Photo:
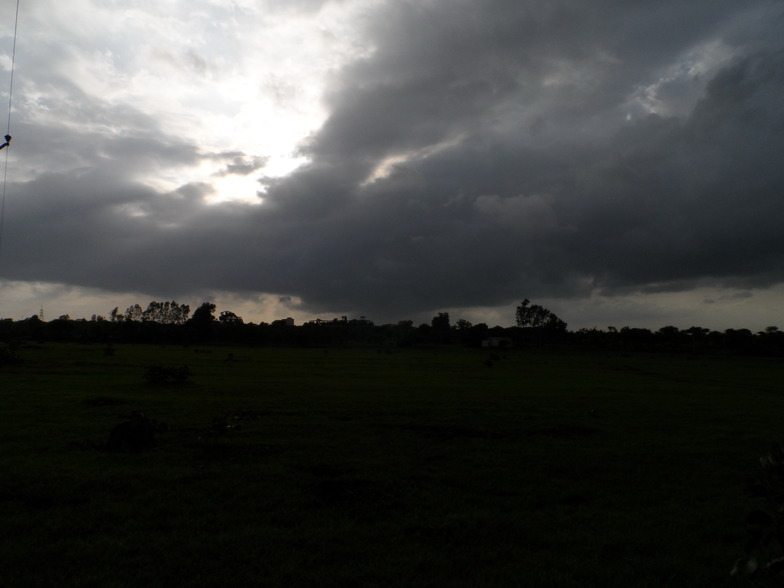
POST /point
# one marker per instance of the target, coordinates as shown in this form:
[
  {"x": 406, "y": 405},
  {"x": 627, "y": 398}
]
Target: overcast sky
[{"x": 619, "y": 162}]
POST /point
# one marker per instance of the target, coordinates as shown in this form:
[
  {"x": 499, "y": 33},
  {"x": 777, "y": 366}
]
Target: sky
[{"x": 617, "y": 162}]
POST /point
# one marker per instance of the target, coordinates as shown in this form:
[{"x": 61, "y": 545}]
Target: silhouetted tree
[
  {"x": 440, "y": 327},
  {"x": 134, "y": 313},
  {"x": 402, "y": 334},
  {"x": 440, "y": 321},
  {"x": 229, "y": 318},
  {"x": 201, "y": 324},
  {"x": 697, "y": 332},
  {"x": 166, "y": 313},
  {"x": 533, "y": 315},
  {"x": 205, "y": 314},
  {"x": 669, "y": 337}
]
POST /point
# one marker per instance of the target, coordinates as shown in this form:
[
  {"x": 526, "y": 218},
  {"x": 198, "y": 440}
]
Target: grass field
[{"x": 360, "y": 468}]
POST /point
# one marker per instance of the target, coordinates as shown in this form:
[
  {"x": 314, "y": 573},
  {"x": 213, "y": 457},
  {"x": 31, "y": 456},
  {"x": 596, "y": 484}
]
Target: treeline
[
  {"x": 173, "y": 323},
  {"x": 769, "y": 342}
]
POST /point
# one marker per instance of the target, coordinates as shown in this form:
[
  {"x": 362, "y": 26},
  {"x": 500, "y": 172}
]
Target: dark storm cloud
[
  {"x": 534, "y": 186},
  {"x": 480, "y": 154},
  {"x": 698, "y": 198},
  {"x": 442, "y": 69}
]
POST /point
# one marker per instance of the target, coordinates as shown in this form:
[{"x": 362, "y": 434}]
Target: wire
[
  {"x": 8, "y": 126},
  {"x": 2, "y": 202},
  {"x": 13, "y": 61}
]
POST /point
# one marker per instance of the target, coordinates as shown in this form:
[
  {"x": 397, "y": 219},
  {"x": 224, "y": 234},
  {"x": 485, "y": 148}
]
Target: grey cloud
[
  {"x": 189, "y": 60},
  {"x": 443, "y": 72},
  {"x": 196, "y": 62},
  {"x": 91, "y": 132},
  {"x": 660, "y": 201},
  {"x": 194, "y": 191},
  {"x": 510, "y": 171},
  {"x": 241, "y": 165}
]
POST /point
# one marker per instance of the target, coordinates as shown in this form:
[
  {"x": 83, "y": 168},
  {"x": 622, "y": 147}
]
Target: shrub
[
  {"x": 8, "y": 356},
  {"x": 134, "y": 435},
  {"x": 162, "y": 375},
  {"x": 763, "y": 564}
]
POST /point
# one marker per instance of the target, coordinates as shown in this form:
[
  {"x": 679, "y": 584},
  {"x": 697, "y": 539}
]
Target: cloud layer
[{"x": 456, "y": 154}]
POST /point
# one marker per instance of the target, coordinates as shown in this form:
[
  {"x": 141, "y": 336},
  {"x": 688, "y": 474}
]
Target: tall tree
[
  {"x": 134, "y": 313},
  {"x": 205, "y": 314},
  {"x": 229, "y": 318},
  {"x": 440, "y": 325},
  {"x": 533, "y": 315}
]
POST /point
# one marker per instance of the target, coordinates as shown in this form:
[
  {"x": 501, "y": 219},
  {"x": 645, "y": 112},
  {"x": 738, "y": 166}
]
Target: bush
[
  {"x": 162, "y": 375},
  {"x": 134, "y": 435},
  {"x": 8, "y": 356},
  {"x": 763, "y": 564}
]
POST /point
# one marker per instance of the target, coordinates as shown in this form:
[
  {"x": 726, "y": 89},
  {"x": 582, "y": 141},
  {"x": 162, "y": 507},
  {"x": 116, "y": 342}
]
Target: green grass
[{"x": 353, "y": 467}]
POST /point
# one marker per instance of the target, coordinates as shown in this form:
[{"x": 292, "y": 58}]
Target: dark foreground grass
[{"x": 353, "y": 467}]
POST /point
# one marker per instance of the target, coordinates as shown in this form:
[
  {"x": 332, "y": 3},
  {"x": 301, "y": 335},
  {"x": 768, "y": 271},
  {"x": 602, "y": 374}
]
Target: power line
[
  {"x": 13, "y": 61},
  {"x": 8, "y": 126}
]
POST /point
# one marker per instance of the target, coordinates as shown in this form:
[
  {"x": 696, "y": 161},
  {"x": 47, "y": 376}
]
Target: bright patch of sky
[
  {"x": 678, "y": 86},
  {"x": 228, "y": 76}
]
